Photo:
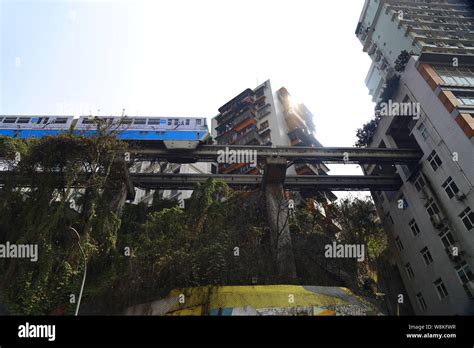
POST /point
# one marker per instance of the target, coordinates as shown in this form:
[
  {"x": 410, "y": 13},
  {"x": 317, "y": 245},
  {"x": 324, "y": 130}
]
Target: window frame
[
  {"x": 451, "y": 185},
  {"x": 439, "y": 284},
  {"x": 426, "y": 251}
]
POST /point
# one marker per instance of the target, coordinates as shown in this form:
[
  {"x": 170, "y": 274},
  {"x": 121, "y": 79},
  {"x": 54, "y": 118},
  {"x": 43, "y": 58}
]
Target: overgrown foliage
[
  {"x": 140, "y": 252},
  {"x": 366, "y": 134},
  {"x": 402, "y": 60},
  {"x": 40, "y": 202}
]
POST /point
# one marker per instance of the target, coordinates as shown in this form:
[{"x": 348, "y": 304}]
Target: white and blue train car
[
  {"x": 34, "y": 126},
  {"x": 175, "y": 132}
]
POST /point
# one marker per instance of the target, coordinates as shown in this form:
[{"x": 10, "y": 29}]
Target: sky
[{"x": 184, "y": 58}]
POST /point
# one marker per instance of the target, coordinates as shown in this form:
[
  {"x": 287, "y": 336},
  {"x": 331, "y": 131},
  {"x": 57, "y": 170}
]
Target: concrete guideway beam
[
  {"x": 296, "y": 154},
  {"x": 319, "y": 183}
]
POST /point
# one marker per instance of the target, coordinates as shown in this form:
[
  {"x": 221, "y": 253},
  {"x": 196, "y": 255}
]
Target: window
[
  {"x": 264, "y": 111},
  {"x": 447, "y": 238},
  {"x": 59, "y": 120},
  {"x": 464, "y": 272},
  {"x": 431, "y": 207},
  {"x": 414, "y": 227},
  {"x": 425, "y": 253},
  {"x": 9, "y": 120},
  {"x": 153, "y": 121},
  {"x": 187, "y": 121},
  {"x": 87, "y": 121},
  {"x": 466, "y": 100},
  {"x": 440, "y": 288},
  {"x": 260, "y": 92},
  {"x": 409, "y": 270},
  {"x": 450, "y": 187},
  {"x": 399, "y": 243},
  {"x": 434, "y": 160},
  {"x": 261, "y": 103},
  {"x": 198, "y": 122},
  {"x": 423, "y": 131},
  {"x": 467, "y": 217},
  {"x": 455, "y": 76},
  {"x": 176, "y": 121},
  {"x": 139, "y": 121},
  {"x": 421, "y": 302},
  {"x": 170, "y": 121},
  {"x": 23, "y": 120},
  {"x": 264, "y": 125}
]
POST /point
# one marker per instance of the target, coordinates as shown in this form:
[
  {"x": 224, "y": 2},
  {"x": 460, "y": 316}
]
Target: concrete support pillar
[{"x": 278, "y": 219}]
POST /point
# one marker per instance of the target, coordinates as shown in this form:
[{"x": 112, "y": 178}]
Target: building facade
[
  {"x": 388, "y": 27},
  {"x": 430, "y": 220},
  {"x": 146, "y": 196},
  {"x": 261, "y": 116}
]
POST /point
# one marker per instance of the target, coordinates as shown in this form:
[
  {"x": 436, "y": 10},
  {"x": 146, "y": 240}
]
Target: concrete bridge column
[{"x": 278, "y": 219}]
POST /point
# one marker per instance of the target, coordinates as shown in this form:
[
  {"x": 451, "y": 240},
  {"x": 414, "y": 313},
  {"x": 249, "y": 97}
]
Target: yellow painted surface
[
  {"x": 200, "y": 300},
  {"x": 265, "y": 296}
]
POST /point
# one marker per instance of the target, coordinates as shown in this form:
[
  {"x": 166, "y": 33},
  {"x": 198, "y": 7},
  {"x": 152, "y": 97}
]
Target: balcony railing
[{"x": 251, "y": 137}]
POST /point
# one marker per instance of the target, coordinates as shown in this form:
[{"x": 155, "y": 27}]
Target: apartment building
[
  {"x": 388, "y": 27},
  {"x": 261, "y": 116},
  {"x": 430, "y": 220},
  {"x": 146, "y": 195}
]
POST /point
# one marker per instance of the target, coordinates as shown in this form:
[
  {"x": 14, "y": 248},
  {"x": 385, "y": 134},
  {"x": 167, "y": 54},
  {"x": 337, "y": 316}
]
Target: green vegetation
[{"x": 137, "y": 253}]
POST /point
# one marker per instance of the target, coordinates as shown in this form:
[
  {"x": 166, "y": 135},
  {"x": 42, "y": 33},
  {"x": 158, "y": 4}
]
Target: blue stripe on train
[{"x": 125, "y": 135}]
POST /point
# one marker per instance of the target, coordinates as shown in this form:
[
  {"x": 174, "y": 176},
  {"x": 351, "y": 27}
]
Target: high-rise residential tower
[
  {"x": 388, "y": 27},
  {"x": 425, "y": 101},
  {"x": 261, "y": 116}
]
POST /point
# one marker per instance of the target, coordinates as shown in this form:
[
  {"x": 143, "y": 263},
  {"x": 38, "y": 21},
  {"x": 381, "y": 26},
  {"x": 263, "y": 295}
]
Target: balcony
[
  {"x": 244, "y": 120},
  {"x": 294, "y": 119},
  {"x": 236, "y": 102},
  {"x": 234, "y": 119},
  {"x": 249, "y": 138},
  {"x": 230, "y": 168}
]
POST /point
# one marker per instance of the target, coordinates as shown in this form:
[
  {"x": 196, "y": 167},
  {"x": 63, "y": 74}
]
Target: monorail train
[{"x": 127, "y": 128}]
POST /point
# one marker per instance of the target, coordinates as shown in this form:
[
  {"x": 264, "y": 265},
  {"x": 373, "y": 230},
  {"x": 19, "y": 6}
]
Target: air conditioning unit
[
  {"x": 454, "y": 251},
  {"x": 436, "y": 220},
  {"x": 460, "y": 196}
]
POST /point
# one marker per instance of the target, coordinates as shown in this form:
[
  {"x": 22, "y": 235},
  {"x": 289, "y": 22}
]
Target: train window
[
  {"x": 170, "y": 121},
  {"x": 162, "y": 121},
  {"x": 9, "y": 120},
  {"x": 87, "y": 121},
  {"x": 127, "y": 121},
  {"x": 153, "y": 121},
  {"x": 23, "y": 120},
  {"x": 187, "y": 122},
  {"x": 176, "y": 121},
  {"x": 61, "y": 120},
  {"x": 198, "y": 122},
  {"x": 139, "y": 121},
  {"x": 46, "y": 120}
]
